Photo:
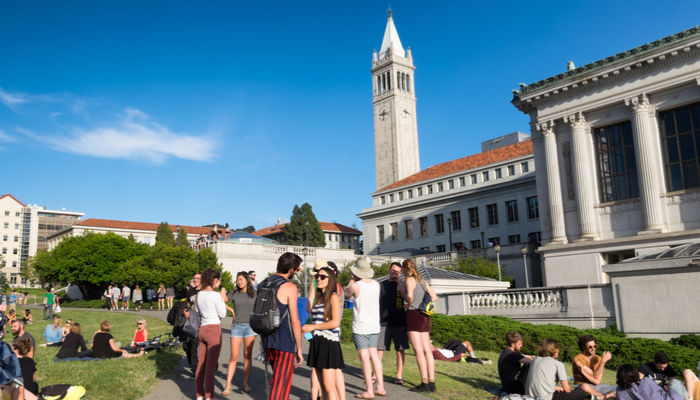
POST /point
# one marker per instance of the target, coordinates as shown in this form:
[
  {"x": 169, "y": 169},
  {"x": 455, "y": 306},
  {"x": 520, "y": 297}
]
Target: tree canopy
[
  {"x": 296, "y": 229},
  {"x": 479, "y": 266},
  {"x": 164, "y": 235},
  {"x": 182, "y": 238}
]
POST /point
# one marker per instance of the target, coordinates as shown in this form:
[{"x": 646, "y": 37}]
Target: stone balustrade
[{"x": 544, "y": 299}]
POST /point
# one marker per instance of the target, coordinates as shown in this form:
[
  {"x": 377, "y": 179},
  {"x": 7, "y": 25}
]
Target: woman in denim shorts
[{"x": 243, "y": 299}]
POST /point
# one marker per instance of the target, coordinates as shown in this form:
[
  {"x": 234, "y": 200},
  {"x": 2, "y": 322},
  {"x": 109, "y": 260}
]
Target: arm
[
  {"x": 133, "y": 338},
  {"x": 350, "y": 289},
  {"x": 221, "y": 305},
  {"x": 565, "y": 386},
  {"x": 30, "y": 353},
  {"x": 145, "y": 334},
  {"x": 336, "y": 316},
  {"x": 290, "y": 290},
  {"x": 311, "y": 296},
  {"x": 430, "y": 291},
  {"x": 410, "y": 285},
  {"x": 114, "y": 346},
  {"x": 81, "y": 343}
]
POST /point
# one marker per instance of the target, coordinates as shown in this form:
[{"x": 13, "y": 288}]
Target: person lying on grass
[{"x": 103, "y": 346}]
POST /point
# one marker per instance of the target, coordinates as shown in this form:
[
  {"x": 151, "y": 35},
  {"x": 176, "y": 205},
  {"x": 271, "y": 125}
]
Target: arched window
[
  {"x": 408, "y": 83},
  {"x": 383, "y": 83},
  {"x": 398, "y": 80},
  {"x": 388, "y": 81},
  {"x": 379, "y": 84}
]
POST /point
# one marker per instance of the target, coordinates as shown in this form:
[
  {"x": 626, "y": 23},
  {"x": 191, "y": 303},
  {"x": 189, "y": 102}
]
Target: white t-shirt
[
  {"x": 211, "y": 307},
  {"x": 365, "y": 317},
  {"x": 543, "y": 376},
  {"x": 126, "y": 292}
]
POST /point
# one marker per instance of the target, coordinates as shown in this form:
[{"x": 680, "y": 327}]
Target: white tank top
[{"x": 365, "y": 317}]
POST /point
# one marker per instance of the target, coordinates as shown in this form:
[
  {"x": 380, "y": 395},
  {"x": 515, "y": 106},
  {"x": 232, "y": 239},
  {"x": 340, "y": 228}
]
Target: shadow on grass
[
  {"x": 474, "y": 382},
  {"x": 166, "y": 362}
]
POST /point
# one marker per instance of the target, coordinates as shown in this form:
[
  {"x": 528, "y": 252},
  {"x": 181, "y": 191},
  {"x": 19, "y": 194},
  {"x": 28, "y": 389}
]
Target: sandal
[
  {"x": 397, "y": 381},
  {"x": 247, "y": 389}
]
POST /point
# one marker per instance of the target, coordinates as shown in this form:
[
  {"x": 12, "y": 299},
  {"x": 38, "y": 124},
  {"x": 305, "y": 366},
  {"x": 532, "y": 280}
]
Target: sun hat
[
  {"x": 362, "y": 269},
  {"x": 320, "y": 263}
]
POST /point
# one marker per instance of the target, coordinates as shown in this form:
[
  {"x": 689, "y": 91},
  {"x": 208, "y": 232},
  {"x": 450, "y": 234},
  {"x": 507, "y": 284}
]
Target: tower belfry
[{"x": 394, "y": 103}]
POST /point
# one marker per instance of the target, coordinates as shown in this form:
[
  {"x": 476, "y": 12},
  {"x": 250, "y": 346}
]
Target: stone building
[
  {"x": 337, "y": 236},
  {"x": 617, "y": 155}
]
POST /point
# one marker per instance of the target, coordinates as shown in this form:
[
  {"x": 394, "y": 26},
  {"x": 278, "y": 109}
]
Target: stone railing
[
  {"x": 545, "y": 299},
  {"x": 281, "y": 249}
]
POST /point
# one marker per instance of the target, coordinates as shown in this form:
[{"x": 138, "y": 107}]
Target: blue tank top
[{"x": 282, "y": 339}]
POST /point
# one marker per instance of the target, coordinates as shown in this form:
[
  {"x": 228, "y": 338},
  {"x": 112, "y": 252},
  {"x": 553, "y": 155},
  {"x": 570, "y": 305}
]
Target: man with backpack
[{"x": 277, "y": 322}]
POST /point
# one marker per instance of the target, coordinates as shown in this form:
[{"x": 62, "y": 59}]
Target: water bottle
[{"x": 275, "y": 315}]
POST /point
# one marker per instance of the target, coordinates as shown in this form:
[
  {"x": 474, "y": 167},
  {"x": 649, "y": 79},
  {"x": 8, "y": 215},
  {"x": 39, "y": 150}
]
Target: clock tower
[{"x": 394, "y": 103}]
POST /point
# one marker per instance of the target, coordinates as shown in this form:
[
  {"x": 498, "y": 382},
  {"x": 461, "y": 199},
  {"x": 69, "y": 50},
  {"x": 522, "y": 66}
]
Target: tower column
[
  {"x": 556, "y": 208},
  {"x": 584, "y": 194},
  {"x": 644, "y": 145}
]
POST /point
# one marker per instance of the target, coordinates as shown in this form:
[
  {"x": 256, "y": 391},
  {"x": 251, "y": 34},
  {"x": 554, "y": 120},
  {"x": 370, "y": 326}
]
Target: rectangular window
[
  {"x": 426, "y": 248},
  {"x": 534, "y": 237},
  {"x": 410, "y": 193},
  {"x": 430, "y": 189},
  {"x": 499, "y": 173},
  {"x": 391, "y": 198},
  {"x": 494, "y": 241},
  {"x": 475, "y": 244},
  {"x": 486, "y": 176},
  {"x": 617, "y": 168},
  {"x": 456, "y": 220},
  {"x": 525, "y": 167},
  {"x": 511, "y": 170},
  {"x": 462, "y": 182},
  {"x": 17, "y": 214},
  {"x": 7, "y": 213},
  {"x": 439, "y": 224},
  {"x": 400, "y": 196},
  {"x": 680, "y": 134},
  {"x": 440, "y": 188},
  {"x": 473, "y": 217},
  {"x": 394, "y": 231},
  {"x": 440, "y": 248},
  {"x": 513, "y": 239},
  {"x": 4, "y": 238},
  {"x": 473, "y": 178},
  {"x": 380, "y": 233},
  {"x": 533, "y": 210},
  {"x": 512, "y": 208},
  {"x": 14, "y": 263},
  {"x": 451, "y": 183},
  {"x": 4, "y": 250},
  {"x": 423, "y": 226},
  {"x": 14, "y": 251},
  {"x": 408, "y": 225},
  {"x": 16, "y": 226},
  {"x": 420, "y": 191},
  {"x": 16, "y": 238},
  {"x": 383, "y": 200},
  {"x": 492, "y": 211},
  {"x": 6, "y": 225}
]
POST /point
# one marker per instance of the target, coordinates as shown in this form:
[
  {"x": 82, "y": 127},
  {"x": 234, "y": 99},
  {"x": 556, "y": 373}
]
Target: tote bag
[{"x": 191, "y": 326}]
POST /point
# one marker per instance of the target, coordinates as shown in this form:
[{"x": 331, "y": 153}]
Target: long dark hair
[
  {"x": 249, "y": 285},
  {"x": 627, "y": 375},
  {"x": 208, "y": 277},
  {"x": 325, "y": 297}
]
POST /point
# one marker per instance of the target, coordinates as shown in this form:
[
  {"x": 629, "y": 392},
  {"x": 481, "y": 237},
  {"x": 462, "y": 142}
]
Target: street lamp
[
  {"x": 449, "y": 231},
  {"x": 497, "y": 249},
  {"x": 524, "y": 251},
  {"x": 305, "y": 252}
]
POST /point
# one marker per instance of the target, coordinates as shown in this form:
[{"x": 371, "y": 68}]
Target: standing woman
[
  {"x": 211, "y": 307},
  {"x": 137, "y": 297},
  {"x": 161, "y": 297},
  {"x": 243, "y": 299},
  {"x": 418, "y": 324},
  {"x": 169, "y": 296},
  {"x": 325, "y": 355}
]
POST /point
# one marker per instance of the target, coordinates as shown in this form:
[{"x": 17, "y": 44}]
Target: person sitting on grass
[
  {"x": 19, "y": 333},
  {"x": 27, "y": 366},
  {"x": 66, "y": 327},
  {"x": 72, "y": 342},
  {"x": 28, "y": 319},
  {"x": 103, "y": 345},
  {"x": 513, "y": 366},
  {"x": 53, "y": 333},
  {"x": 587, "y": 367},
  {"x": 546, "y": 371},
  {"x": 140, "y": 334},
  {"x": 692, "y": 383},
  {"x": 663, "y": 374},
  {"x": 633, "y": 385},
  {"x": 11, "y": 316}
]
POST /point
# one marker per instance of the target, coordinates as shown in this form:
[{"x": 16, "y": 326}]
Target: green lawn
[
  {"x": 100, "y": 378},
  {"x": 453, "y": 380}
]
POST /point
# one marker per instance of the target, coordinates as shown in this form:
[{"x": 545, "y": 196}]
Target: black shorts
[{"x": 397, "y": 334}]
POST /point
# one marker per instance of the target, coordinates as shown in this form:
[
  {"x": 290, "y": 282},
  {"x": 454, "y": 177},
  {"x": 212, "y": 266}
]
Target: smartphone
[{"x": 308, "y": 336}]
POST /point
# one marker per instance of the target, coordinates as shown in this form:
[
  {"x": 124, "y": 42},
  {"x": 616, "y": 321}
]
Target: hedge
[{"x": 488, "y": 333}]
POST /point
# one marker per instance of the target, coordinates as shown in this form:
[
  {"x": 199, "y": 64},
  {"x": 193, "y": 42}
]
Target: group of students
[
  {"x": 12, "y": 300},
  {"x": 545, "y": 377},
  {"x": 113, "y": 295}
]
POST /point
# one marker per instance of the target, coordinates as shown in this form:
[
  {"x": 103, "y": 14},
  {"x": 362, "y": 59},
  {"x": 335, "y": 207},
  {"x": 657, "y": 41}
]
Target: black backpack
[{"x": 265, "y": 318}]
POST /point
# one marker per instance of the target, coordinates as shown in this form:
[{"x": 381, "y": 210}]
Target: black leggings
[{"x": 576, "y": 394}]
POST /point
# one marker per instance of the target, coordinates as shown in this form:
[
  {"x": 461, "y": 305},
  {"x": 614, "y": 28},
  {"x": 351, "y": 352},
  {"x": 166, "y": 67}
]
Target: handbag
[
  {"x": 426, "y": 306},
  {"x": 58, "y": 308},
  {"x": 191, "y": 326}
]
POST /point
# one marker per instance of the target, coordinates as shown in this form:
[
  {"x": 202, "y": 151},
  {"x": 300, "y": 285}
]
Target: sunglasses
[
  {"x": 139, "y": 323},
  {"x": 320, "y": 277},
  {"x": 592, "y": 347}
]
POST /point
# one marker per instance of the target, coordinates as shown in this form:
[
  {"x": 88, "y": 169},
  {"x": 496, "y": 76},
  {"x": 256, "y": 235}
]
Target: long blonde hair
[
  {"x": 410, "y": 271},
  {"x": 56, "y": 322}
]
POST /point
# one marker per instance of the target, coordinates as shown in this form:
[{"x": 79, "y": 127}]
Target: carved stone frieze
[{"x": 640, "y": 104}]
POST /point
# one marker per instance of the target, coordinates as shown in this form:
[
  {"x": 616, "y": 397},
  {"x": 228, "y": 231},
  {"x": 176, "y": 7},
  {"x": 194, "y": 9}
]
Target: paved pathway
[{"x": 181, "y": 386}]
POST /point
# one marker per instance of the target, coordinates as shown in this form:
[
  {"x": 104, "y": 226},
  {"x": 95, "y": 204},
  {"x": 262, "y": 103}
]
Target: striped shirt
[{"x": 317, "y": 318}]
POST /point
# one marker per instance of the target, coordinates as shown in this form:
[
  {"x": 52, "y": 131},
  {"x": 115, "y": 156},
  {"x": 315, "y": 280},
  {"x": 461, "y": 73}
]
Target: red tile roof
[
  {"x": 465, "y": 163},
  {"x": 325, "y": 226},
  {"x": 13, "y": 198},
  {"x": 141, "y": 226}
]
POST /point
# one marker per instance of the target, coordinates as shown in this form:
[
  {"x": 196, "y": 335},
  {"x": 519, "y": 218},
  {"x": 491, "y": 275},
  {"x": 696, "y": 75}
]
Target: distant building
[
  {"x": 338, "y": 236},
  {"x": 143, "y": 232},
  {"x": 24, "y": 229},
  {"x": 617, "y": 149}
]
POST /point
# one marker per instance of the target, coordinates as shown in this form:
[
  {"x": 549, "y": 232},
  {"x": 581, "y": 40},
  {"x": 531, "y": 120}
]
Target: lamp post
[
  {"x": 497, "y": 249},
  {"x": 482, "y": 241},
  {"x": 524, "y": 251},
  {"x": 305, "y": 252},
  {"x": 449, "y": 232}
]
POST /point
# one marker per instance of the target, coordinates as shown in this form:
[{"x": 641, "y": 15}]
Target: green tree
[
  {"x": 304, "y": 221},
  {"x": 479, "y": 266},
  {"x": 164, "y": 236},
  {"x": 249, "y": 229},
  {"x": 182, "y": 238}
]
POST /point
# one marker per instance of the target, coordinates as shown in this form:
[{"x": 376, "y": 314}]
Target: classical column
[
  {"x": 556, "y": 208},
  {"x": 584, "y": 194},
  {"x": 644, "y": 145}
]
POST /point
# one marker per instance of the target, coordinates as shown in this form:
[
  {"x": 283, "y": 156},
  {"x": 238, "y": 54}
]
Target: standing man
[
  {"x": 392, "y": 320},
  {"x": 108, "y": 298},
  {"x": 588, "y": 367},
  {"x": 19, "y": 333},
  {"x": 190, "y": 344},
  {"x": 126, "y": 295},
  {"x": 509, "y": 364},
  {"x": 116, "y": 294},
  {"x": 251, "y": 274},
  {"x": 365, "y": 325},
  {"x": 48, "y": 304},
  {"x": 13, "y": 300},
  {"x": 283, "y": 346}
]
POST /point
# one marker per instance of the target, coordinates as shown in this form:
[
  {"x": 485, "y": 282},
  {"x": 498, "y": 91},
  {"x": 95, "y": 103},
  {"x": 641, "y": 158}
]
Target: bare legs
[
  {"x": 420, "y": 341},
  {"x": 329, "y": 377},
  {"x": 370, "y": 358},
  {"x": 247, "y": 361},
  {"x": 400, "y": 358},
  {"x": 690, "y": 381}
]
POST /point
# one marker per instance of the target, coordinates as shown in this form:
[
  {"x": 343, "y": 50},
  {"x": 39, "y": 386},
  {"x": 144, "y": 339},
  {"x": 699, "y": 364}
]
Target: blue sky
[{"x": 235, "y": 111}]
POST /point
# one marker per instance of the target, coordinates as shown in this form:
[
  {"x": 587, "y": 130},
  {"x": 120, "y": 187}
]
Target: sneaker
[
  {"x": 422, "y": 388},
  {"x": 431, "y": 386}
]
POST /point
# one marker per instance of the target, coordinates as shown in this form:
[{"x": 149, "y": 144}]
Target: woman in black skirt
[{"x": 325, "y": 355}]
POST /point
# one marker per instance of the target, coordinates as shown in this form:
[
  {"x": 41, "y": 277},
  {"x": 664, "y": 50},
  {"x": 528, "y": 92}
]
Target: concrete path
[{"x": 181, "y": 386}]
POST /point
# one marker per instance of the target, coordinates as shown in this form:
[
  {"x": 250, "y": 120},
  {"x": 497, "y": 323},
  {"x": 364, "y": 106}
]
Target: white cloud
[
  {"x": 4, "y": 137},
  {"x": 12, "y": 99},
  {"x": 135, "y": 136}
]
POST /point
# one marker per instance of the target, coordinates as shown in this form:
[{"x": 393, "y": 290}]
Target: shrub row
[{"x": 489, "y": 332}]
